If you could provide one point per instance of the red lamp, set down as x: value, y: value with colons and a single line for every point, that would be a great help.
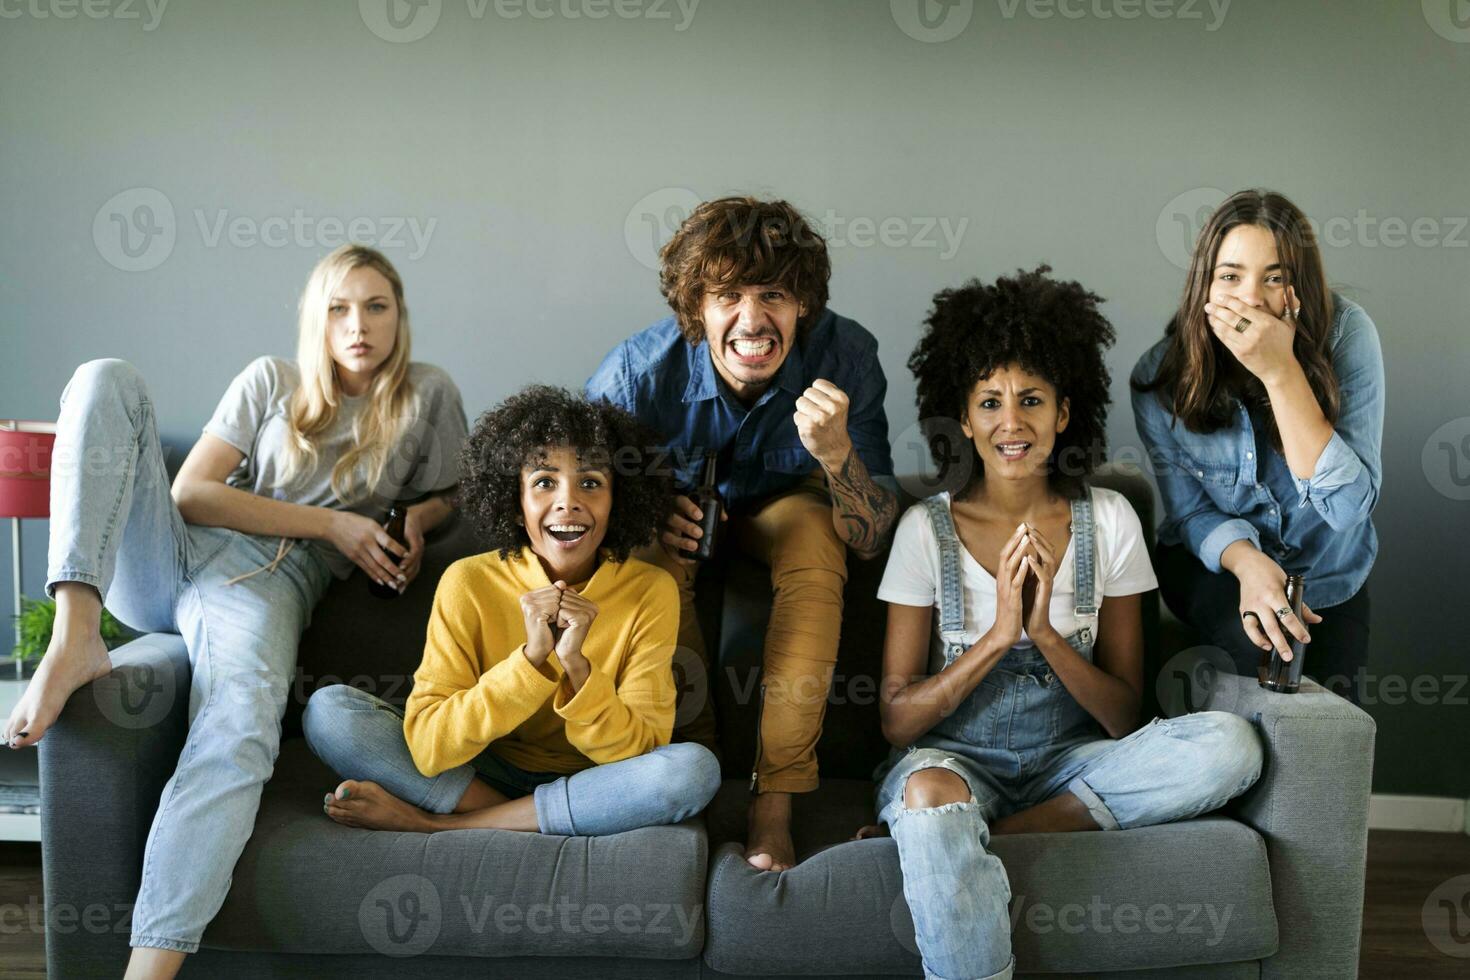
x: 25, y: 485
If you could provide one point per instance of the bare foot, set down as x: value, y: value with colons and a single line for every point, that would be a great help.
x: 358, y: 803
x: 870, y: 830
x: 73, y: 658
x: 768, y: 838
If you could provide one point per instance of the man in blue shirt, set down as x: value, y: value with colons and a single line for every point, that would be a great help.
x: 754, y: 368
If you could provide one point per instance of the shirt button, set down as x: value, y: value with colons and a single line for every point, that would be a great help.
x: 1273, y: 510
x: 1200, y: 474
x: 1250, y: 455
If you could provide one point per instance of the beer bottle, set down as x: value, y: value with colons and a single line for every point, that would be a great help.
x: 394, y: 526
x: 707, y: 499
x: 1276, y: 674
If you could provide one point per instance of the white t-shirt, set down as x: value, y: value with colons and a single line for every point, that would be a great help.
x: 1120, y: 563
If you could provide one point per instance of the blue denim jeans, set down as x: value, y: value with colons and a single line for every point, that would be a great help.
x: 114, y: 526
x: 360, y: 736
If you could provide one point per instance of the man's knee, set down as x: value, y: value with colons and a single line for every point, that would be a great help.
x: 929, y: 788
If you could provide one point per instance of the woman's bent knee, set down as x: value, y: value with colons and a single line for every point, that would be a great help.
x: 106, y: 375
x: 694, y: 775
x: 323, y: 709
x: 1230, y: 752
x: 929, y: 788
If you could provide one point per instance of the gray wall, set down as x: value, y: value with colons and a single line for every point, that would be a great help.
x: 541, y: 156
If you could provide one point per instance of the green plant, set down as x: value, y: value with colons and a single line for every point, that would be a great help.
x: 38, y: 616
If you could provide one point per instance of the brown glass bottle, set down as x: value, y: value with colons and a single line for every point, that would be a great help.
x: 707, y: 499
x: 1280, y: 675
x: 394, y: 526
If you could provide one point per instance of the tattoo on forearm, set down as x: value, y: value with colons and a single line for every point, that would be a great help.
x: 863, y: 510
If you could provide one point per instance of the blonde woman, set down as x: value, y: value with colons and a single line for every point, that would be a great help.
x: 285, y: 489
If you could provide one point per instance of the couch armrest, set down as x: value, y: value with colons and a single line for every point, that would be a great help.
x: 103, y: 766
x: 1310, y: 805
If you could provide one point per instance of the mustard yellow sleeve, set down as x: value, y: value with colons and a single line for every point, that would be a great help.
x: 608, y: 720
x: 456, y: 710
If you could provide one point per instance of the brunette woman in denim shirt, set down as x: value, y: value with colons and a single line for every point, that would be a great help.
x: 1262, y: 412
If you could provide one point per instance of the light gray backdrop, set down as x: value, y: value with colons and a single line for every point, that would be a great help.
x: 172, y: 172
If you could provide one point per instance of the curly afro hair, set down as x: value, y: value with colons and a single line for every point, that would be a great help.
x: 519, y: 431
x: 1050, y: 328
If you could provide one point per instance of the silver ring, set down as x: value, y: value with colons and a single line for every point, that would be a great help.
x: 1283, y: 612
x: 1240, y: 327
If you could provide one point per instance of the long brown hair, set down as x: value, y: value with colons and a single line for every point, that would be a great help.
x: 1198, y: 374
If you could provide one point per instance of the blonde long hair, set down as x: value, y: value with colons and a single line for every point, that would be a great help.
x: 316, y: 401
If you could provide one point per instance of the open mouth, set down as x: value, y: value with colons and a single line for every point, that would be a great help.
x: 568, y: 534
x: 1013, y: 450
x: 753, y: 351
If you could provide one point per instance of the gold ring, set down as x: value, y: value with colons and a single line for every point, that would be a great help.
x: 1240, y: 327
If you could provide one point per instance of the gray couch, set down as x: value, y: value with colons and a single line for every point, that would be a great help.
x: 1272, y: 886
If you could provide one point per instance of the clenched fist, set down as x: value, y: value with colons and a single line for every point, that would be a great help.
x: 821, y: 422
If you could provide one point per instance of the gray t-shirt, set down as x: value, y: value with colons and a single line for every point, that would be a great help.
x: 252, y: 416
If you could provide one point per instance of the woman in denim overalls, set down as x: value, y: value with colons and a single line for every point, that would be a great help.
x: 1013, y: 713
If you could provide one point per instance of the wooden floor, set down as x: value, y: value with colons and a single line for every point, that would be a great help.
x: 1403, y: 868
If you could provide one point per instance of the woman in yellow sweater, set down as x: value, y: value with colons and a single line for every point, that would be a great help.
x: 545, y: 699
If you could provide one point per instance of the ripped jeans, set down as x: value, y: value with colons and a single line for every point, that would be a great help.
x: 1170, y: 769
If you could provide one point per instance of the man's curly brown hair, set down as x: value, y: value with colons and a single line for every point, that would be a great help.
x: 1050, y: 328
x: 741, y: 241
x: 520, y: 430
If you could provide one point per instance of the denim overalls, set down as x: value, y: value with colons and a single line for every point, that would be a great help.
x: 1020, y: 710
x: 1018, y: 739
x: 1020, y: 715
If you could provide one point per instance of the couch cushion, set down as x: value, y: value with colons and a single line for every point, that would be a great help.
x: 1172, y: 895
x: 308, y: 885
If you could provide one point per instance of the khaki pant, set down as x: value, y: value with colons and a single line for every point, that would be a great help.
x: 793, y: 534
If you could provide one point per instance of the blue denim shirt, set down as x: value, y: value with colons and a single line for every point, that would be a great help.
x: 672, y: 387
x: 1228, y: 485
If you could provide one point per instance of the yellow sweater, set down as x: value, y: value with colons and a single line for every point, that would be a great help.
x: 476, y: 687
